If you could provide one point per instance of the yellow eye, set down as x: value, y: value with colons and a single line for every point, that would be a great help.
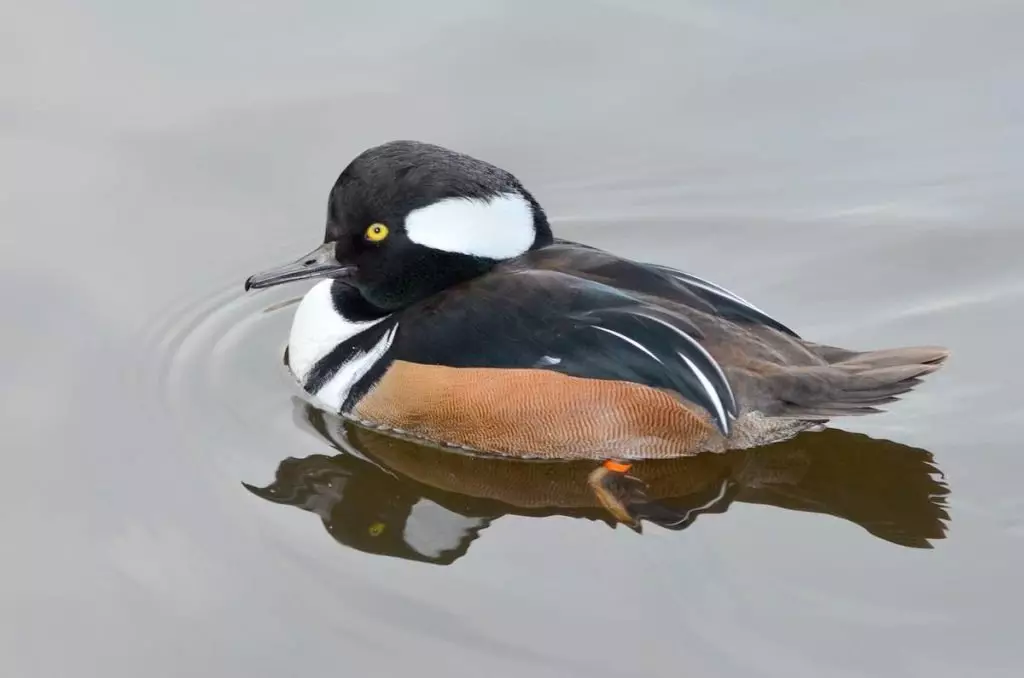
x: 377, y: 528
x: 376, y: 232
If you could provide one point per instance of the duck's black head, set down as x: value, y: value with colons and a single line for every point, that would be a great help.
x: 407, y: 219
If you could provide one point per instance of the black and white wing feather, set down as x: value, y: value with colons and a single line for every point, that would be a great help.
x: 726, y: 303
x: 660, y: 281
x: 674, y: 356
x: 578, y: 327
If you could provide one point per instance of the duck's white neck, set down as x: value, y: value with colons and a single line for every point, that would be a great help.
x: 317, y: 329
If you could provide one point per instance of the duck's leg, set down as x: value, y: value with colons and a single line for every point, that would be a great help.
x: 618, y: 491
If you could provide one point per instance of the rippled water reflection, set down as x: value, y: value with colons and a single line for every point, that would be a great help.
x: 171, y: 507
x: 394, y: 497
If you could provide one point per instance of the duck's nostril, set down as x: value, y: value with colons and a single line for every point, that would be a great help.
x: 309, y: 262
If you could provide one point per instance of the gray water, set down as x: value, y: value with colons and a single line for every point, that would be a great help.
x: 853, y: 168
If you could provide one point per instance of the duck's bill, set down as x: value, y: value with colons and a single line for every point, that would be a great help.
x: 320, y: 263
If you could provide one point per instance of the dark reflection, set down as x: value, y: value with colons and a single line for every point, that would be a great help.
x: 393, y: 497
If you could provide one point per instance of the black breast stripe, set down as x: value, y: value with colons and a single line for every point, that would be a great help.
x: 340, y: 355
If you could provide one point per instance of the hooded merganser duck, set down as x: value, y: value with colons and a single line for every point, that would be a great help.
x: 450, y: 314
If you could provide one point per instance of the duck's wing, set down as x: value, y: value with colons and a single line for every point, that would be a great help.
x: 549, y: 320
x: 656, y: 280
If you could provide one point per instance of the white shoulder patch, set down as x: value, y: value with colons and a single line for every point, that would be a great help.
x: 498, y: 228
x: 317, y: 328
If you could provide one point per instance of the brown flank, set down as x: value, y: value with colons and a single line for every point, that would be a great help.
x: 533, y: 413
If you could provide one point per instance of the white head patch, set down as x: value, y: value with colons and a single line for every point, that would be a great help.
x: 431, y: 529
x: 497, y: 228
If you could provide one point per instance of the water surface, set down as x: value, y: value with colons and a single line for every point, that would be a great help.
x: 171, y: 508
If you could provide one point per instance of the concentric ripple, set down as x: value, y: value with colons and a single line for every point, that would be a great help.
x: 215, y: 368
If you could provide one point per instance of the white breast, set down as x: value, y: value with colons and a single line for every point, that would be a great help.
x: 317, y: 329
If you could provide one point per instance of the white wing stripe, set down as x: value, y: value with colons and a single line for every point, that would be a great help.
x: 627, y: 339
x: 711, y: 287
x: 712, y: 393
x: 693, y: 342
x: 703, y: 507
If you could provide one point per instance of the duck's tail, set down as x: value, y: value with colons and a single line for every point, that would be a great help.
x: 855, y: 383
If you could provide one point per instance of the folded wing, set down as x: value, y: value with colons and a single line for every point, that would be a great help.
x: 660, y: 281
x: 550, y: 320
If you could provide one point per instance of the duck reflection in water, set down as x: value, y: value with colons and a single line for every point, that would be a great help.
x: 393, y: 497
